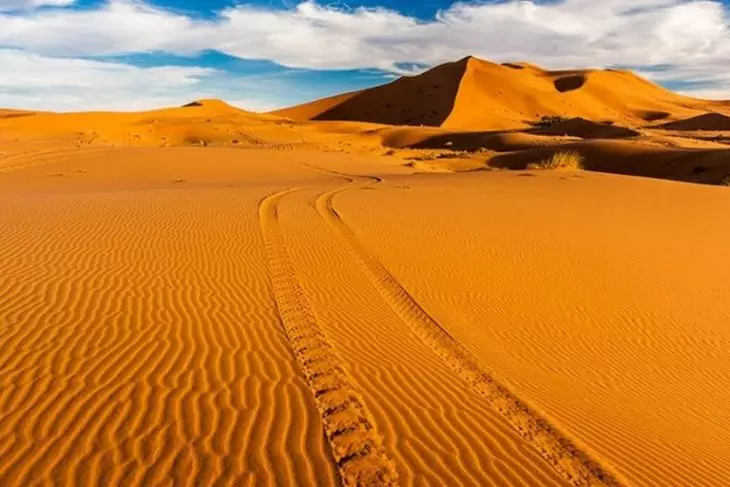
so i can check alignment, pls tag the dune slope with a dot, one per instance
(203, 122)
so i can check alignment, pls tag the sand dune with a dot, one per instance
(475, 114)
(527, 113)
(205, 122)
(605, 148)
(473, 94)
(5, 114)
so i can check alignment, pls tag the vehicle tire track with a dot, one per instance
(576, 466)
(24, 160)
(356, 445)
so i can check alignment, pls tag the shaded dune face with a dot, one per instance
(422, 100)
(585, 129)
(569, 83)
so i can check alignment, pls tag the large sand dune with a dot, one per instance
(473, 94)
(207, 296)
(476, 106)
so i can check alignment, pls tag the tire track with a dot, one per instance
(356, 445)
(24, 160)
(576, 466)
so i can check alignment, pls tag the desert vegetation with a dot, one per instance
(559, 160)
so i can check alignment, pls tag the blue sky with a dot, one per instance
(262, 54)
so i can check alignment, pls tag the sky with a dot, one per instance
(70, 55)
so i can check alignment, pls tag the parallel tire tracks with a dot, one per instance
(356, 445)
(570, 461)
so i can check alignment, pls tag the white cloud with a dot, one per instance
(117, 27)
(691, 35)
(568, 32)
(33, 81)
(8, 5)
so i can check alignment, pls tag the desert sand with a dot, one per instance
(208, 296)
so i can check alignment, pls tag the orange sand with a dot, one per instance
(208, 296)
(602, 300)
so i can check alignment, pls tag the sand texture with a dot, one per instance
(208, 296)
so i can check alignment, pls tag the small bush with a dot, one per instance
(547, 121)
(559, 160)
(726, 180)
(432, 156)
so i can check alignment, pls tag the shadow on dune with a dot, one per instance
(498, 141)
(513, 65)
(6, 116)
(652, 115)
(505, 140)
(425, 100)
(707, 166)
(707, 121)
(569, 83)
(585, 129)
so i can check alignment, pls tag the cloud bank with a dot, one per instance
(8, 5)
(683, 42)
